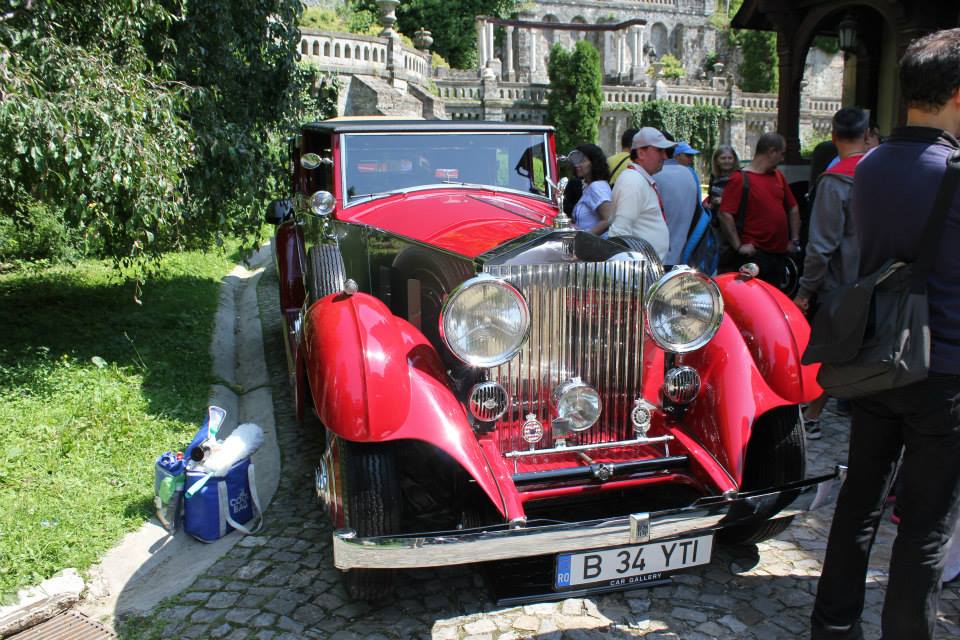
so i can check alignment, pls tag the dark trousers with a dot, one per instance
(924, 420)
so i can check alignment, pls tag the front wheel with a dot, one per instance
(372, 505)
(776, 455)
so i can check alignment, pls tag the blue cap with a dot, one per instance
(683, 147)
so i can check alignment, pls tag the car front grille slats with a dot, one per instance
(586, 322)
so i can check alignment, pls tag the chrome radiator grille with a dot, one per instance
(587, 322)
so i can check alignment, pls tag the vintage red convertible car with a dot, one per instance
(496, 385)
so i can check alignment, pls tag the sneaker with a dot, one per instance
(812, 428)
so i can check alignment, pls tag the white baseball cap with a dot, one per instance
(651, 137)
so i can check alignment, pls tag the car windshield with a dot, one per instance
(381, 162)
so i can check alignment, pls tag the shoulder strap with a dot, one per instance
(619, 164)
(742, 209)
(257, 512)
(930, 241)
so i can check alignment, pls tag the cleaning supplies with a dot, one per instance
(221, 488)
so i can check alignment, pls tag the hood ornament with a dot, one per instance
(562, 221)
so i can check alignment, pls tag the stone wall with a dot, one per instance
(679, 27)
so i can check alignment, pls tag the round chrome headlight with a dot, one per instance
(684, 310)
(577, 405)
(484, 321)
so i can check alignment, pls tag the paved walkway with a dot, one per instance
(280, 584)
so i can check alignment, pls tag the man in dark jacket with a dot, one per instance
(833, 257)
(893, 193)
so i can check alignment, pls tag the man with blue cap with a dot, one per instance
(684, 153)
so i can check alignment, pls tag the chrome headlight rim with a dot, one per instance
(450, 301)
(713, 326)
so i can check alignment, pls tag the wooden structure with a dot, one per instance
(882, 30)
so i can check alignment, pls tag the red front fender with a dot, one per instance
(751, 366)
(775, 332)
(376, 378)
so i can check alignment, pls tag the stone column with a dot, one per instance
(481, 42)
(737, 125)
(637, 46)
(621, 44)
(636, 71)
(533, 53)
(508, 55)
(491, 52)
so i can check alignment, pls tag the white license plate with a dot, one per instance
(631, 565)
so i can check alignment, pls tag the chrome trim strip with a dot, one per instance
(587, 447)
(463, 547)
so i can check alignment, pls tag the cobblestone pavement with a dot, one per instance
(280, 584)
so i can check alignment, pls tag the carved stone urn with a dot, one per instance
(388, 16)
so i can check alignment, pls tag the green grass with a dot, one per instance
(93, 386)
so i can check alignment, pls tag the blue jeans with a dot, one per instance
(924, 420)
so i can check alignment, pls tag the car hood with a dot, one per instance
(469, 222)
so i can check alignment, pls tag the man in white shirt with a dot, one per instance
(637, 210)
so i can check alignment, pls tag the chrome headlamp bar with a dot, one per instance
(588, 447)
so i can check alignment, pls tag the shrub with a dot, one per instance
(697, 124)
(576, 94)
(672, 67)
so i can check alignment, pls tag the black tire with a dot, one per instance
(327, 273)
(372, 507)
(777, 454)
(438, 275)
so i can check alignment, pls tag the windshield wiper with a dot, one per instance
(376, 194)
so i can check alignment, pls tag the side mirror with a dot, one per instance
(311, 161)
(278, 211)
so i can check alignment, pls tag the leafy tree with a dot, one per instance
(759, 71)
(345, 18)
(576, 95)
(146, 126)
(451, 22)
(672, 67)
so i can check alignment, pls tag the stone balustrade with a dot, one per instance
(351, 53)
(830, 105)
(759, 102)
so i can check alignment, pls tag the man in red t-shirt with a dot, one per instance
(770, 227)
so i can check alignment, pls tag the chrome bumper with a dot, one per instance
(462, 547)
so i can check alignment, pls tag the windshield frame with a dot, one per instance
(344, 145)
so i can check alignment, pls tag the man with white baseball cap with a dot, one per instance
(637, 207)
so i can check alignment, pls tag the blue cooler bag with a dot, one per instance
(222, 504)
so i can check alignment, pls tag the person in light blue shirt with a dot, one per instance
(593, 210)
(681, 200)
(684, 154)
